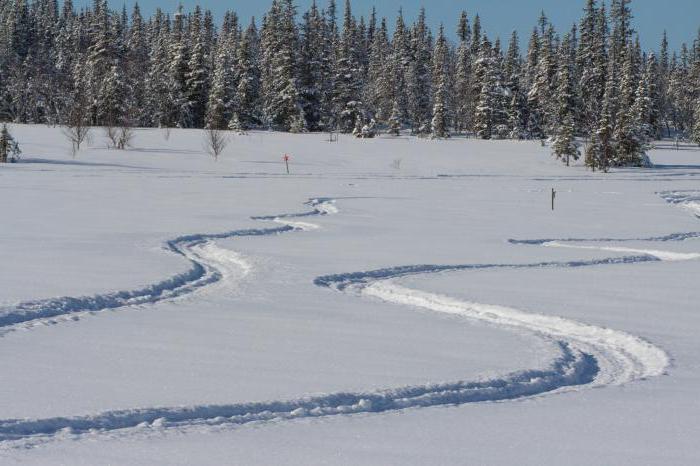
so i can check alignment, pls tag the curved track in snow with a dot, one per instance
(208, 265)
(589, 356)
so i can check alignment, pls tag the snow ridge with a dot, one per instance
(206, 268)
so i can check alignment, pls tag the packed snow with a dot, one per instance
(160, 307)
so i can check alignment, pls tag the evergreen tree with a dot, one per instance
(347, 81)
(197, 74)
(600, 151)
(395, 120)
(696, 126)
(9, 149)
(312, 70)
(281, 88)
(419, 77)
(627, 131)
(564, 144)
(490, 111)
(177, 105)
(378, 92)
(247, 92)
(102, 67)
(440, 122)
(463, 96)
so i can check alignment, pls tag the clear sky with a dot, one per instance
(681, 18)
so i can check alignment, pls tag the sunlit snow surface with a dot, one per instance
(311, 335)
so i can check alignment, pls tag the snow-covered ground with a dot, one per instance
(392, 301)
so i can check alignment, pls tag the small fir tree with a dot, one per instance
(9, 148)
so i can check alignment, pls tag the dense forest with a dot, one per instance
(319, 72)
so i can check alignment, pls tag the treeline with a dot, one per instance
(316, 73)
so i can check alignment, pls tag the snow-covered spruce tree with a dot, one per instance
(601, 150)
(644, 109)
(235, 124)
(177, 104)
(627, 132)
(9, 148)
(539, 97)
(378, 92)
(591, 61)
(564, 145)
(491, 113)
(397, 69)
(311, 66)
(394, 122)
(219, 100)
(136, 64)
(100, 63)
(681, 93)
(157, 76)
(114, 96)
(247, 92)
(280, 92)
(441, 91)
(696, 126)
(517, 104)
(347, 80)
(197, 74)
(462, 87)
(419, 77)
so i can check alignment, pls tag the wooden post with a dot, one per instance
(286, 162)
(554, 196)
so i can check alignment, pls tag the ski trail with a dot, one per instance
(590, 356)
(661, 255)
(621, 358)
(571, 368)
(209, 264)
(689, 200)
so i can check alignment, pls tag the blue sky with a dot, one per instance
(680, 17)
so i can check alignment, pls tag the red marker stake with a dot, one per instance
(286, 162)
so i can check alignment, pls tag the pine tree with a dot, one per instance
(600, 151)
(419, 77)
(539, 96)
(157, 81)
(397, 69)
(219, 98)
(378, 93)
(628, 140)
(280, 92)
(346, 96)
(696, 126)
(463, 96)
(440, 122)
(9, 149)
(247, 92)
(312, 69)
(564, 145)
(591, 63)
(177, 105)
(645, 108)
(136, 64)
(196, 77)
(490, 111)
(395, 120)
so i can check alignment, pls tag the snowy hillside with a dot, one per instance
(391, 301)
